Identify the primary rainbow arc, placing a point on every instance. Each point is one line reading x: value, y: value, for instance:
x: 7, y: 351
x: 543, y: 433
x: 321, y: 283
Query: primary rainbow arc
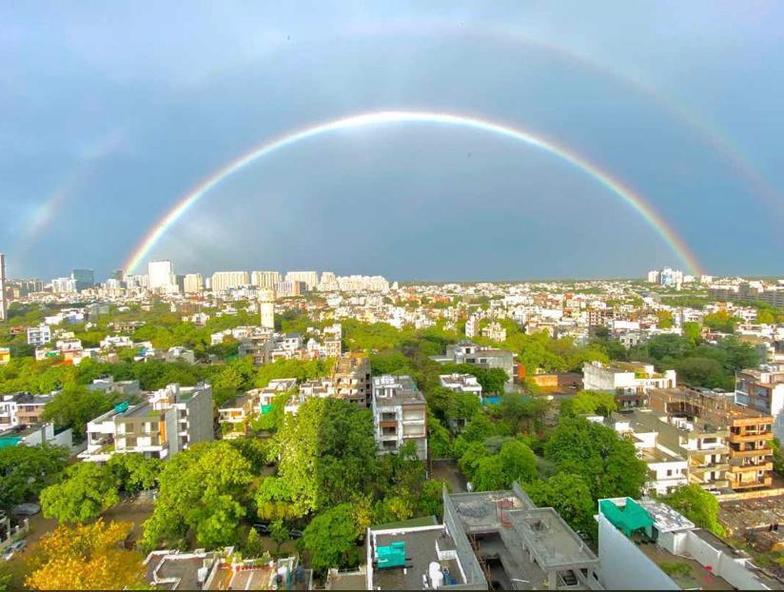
x: 628, y: 195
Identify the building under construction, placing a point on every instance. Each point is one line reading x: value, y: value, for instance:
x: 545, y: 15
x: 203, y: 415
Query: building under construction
x: 742, y: 434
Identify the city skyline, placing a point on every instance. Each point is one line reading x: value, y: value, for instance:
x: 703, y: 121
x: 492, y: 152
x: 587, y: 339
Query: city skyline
x: 478, y: 142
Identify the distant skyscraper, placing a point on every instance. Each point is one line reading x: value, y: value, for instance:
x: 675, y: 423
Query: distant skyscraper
x: 193, y: 283
x: 3, y: 305
x: 267, y: 309
x: 161, y: 276
x: 64, y: 285
x: 309, y: 278
x: 85, y: 278
x: 264, y: 279
x: 227, y: 280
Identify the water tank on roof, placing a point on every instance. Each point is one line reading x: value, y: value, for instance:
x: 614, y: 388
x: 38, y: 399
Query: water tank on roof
x: 436, y: 575
x: 392, y: 555
x: 121, y: 407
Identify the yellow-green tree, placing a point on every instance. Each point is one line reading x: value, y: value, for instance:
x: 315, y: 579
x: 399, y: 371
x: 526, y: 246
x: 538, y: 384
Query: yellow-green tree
x: 89, y: 557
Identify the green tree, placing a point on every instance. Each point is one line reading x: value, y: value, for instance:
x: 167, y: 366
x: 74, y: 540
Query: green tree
x: 591, y: 403
x: 698, y: 505
x: 26, y: 470
x: 692, y: 331
x: 330, y: 539
x: 279, y: 534
x: 75, y: 406
x: 87, y: 490
x: 134, y: 472
x: 721, y: 321
x: 608, y: 463
x: 202, y: 490
x: 571, y: 498
x: 253, y: 546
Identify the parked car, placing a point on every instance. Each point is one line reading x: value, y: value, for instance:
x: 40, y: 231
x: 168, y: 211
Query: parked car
x: 295, y: 534
x: 28, y: 509
x: 261, y: 527
x: 14, y: 548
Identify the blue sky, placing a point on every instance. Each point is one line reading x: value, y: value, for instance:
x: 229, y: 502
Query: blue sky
x: 110, y: 112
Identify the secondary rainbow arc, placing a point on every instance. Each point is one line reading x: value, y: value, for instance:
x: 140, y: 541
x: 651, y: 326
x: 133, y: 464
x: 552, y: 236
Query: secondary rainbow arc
x: 613, y: 184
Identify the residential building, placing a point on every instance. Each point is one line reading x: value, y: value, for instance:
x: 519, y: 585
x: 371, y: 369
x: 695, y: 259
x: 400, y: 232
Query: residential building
x: 40, y: 335
x: 461, y: 383
x: 286, y: 289
x: 266, y: 396
x: 160, y: 277
x: 472, y: 326
x: 630, y: 381
x: 180, y: 354
x: 265, y: 279
x: 223, y: 570
x: 494, y: 332
x: 519, y: 545
x: 738, y: 437
x: 22, y: 409
x: 3, y: 303
x: 234, y: 416
x: 64, y: 285
x: 309, y: 278
x: 485, y: 357
x: 668, y: 466
x: 399, y: 414
x: 169, y: 421
x: 36, y: 435
x: 267, y: 309
x: 229, y: 280
x: 84, y: 278
x: 416, y: 554
x: 193, y: 283
x: 646, y: 545
x: 351, y: 379
x: 110, y: 386
x: 763, y: 390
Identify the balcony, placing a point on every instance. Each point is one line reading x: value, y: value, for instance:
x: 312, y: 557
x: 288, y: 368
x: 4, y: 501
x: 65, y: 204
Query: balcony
x: 751, y: 437
x: 709, y: 467
x: 751, y: 452
x: 764, y: 482
x: 741, y: 468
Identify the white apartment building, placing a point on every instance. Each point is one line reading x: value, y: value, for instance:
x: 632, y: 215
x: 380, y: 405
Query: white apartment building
x: 169, y: 421
x: 228, y: 280
x: 461, y: 383
x: 763, y: 390
x: 641, y: 541
x: 626, y: 377
x: 399, y: 414
x: 264, y: 279
x: 39, y: 335
x: 64, y: 285
x: 494, y: 331
x: 193, y: 283
x: 309, y: 278
x: 160, y: 276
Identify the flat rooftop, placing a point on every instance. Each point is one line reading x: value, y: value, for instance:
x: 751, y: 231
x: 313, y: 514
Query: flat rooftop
x: 422, y: 547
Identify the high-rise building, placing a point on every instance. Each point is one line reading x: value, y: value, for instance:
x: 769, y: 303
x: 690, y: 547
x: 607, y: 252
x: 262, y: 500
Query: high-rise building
x: 161, y: 276
x: 84, y: 278
x: 3, y: 305
x: 64, y: 285
x: 193, y: 283
x: 309, y: 278
x: 267, y: 309
x: 264, y: 279
x: 227, y: 280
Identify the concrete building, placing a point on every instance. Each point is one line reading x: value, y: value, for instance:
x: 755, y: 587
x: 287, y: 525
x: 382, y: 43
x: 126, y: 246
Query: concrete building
x: 110, y: 386
x: 160, y: 277
x: 267, y: 309
x: 193, y: 283
x: 228, y: 280
x: 646, y: 545
x: 3, y: 303
x: 520, y: 546
x: 477, y: 355
x: 726, y: 438
x: 416, y: 554
x: 169, y: 421
x: 351, y: 379
x: 38, y: 336
x: 628, y: 380
x: 36, y: 435
x: 461, y: 383
x: 22, y: 409
x: 399, y: 414
x: 309, y: 278
x: 64, y: 285
x: 234, y: 416
x: 763, y: 390
x: 494, y: 332
x: 264, y: 279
